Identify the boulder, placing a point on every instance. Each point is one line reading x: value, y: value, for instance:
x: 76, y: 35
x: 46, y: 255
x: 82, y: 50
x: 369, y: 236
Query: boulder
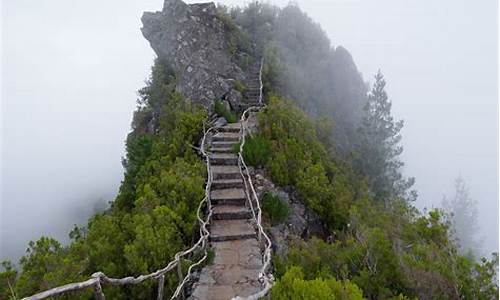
x: 193, y: 41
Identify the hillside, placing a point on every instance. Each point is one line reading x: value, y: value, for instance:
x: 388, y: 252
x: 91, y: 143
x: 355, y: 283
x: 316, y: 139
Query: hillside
x: 322, y: 150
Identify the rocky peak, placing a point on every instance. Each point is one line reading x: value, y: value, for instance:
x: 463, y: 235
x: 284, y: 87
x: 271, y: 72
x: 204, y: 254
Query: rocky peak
x: 193, y: 41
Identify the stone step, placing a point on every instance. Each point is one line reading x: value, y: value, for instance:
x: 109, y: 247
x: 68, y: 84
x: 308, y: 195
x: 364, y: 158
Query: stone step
x: 222, y: 144
x: 222, y: 150
x: 231, y: 212
x: 227, y: 159
x: 233, y: 127
x: 225, y: 172
x: 234, y: 271
x: 227, y: 184
x: 252, y: 92
x: 253, y: 88
x: 228, y: 196
x: 226, y: 137
x: 230, y: 230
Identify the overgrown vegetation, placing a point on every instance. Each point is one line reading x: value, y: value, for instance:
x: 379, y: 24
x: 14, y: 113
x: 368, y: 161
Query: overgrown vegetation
x: 152, y: 217
x: 384, y: 246
x: 293, y: 286
x: 275, y: 209
x: 222, y: 111
x: 297, y: 158
x: 256, y: 151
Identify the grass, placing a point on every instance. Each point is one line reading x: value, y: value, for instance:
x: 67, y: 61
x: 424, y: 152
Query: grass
x: 274, y: 208
x: 222, y: 111
x: 256, y: 150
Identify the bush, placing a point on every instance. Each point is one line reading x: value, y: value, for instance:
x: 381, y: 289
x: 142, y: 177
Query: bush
x: 274, y: 208
x: 299, y: 159
x: 256, y: 150
x: 293, y: 286
x: 223, y: 112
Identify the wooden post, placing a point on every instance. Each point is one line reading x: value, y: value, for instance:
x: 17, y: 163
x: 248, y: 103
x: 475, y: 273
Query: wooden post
x: 99, y: 294
x: 161, y: 285
x: 179, y: 274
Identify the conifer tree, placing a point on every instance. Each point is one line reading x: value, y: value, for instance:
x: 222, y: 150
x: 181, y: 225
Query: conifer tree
x: 463, y: 212
x: 379, y: 147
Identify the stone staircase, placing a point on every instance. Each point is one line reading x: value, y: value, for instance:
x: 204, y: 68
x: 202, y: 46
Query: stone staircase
x: 252, y: 92
x: 238, y: 259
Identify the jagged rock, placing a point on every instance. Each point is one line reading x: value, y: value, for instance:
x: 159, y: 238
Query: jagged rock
x: 193, y: 41
x: 226, y: 104
x: 235, y: 99
x: 219, y: 122
x: 301, y: 222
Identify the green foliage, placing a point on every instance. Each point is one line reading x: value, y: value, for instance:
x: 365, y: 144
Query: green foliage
x: 156, y: 239
x: 298, y: 158
x: 274, y: 208
x: 221, y: 110
x: 379, y: 148
x: 47, y: 264
x: 293, y: 286
x: 210, y: 256
x: 7, y: 281
x: 391, y: 253
x: 256, y: 150
x: 153, y: 216
x: 249, y: 29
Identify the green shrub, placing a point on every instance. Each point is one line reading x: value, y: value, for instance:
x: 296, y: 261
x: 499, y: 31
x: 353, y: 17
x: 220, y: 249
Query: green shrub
x: 256, y: 150
x: 210, y: 256
x: 222, y: 111
x: 298, y: 158
x: 274, y: 208
x: 293, y: 286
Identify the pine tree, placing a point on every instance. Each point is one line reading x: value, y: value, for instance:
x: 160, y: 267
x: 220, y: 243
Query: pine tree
x: 379, y: 148
x: 463, y: 212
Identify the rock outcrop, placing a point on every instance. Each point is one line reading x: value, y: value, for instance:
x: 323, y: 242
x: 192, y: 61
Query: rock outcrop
x: 193, y: 41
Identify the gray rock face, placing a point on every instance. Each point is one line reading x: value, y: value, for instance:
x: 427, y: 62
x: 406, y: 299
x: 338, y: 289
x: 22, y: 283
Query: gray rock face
x: 193, y: 41
x: 302, y: 223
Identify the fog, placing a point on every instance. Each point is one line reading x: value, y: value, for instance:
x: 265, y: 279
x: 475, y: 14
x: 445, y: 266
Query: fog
x: 70, y: 70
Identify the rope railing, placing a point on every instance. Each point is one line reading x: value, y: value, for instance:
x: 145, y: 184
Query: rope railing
x: 265, y: 278
x: 260, y: 81
x: 99, y: 278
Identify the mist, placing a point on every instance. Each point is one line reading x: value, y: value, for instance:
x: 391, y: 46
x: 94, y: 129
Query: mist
x: 70, y: 72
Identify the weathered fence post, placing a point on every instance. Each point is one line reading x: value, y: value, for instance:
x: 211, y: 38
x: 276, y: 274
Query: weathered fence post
x: 179, y: 274
x: 161, y: 285
x: 99, y: 294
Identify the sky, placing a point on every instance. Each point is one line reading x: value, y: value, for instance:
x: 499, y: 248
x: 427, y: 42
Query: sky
x: 70, y: 71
